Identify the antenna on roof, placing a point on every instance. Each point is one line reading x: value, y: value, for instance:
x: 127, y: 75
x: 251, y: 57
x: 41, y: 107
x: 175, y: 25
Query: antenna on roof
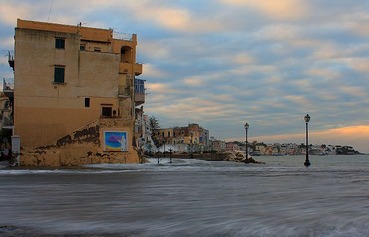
x: 51, y: 6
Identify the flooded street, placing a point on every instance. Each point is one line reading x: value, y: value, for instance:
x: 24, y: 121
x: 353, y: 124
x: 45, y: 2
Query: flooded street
x: 190, y: 198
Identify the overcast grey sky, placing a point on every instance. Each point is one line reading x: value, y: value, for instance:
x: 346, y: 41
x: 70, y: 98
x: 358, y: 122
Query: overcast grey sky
x: 221, y: 63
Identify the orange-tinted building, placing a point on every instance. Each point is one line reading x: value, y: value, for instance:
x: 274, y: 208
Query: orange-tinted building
x: 75, y: 94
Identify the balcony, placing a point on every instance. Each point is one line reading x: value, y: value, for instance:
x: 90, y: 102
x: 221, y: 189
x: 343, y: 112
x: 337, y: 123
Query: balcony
x: 11, y: 59
x: 124, y: 91
x: 139, y: 98
x: 139, y: 92
x: 126, y: 68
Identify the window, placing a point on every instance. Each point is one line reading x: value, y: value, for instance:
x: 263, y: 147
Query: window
x: 82, y: 47
x: 97, y: 49
x: 106, y: 111
x: 59, y: 43
x: 87, y: 102
x: 59, y: 74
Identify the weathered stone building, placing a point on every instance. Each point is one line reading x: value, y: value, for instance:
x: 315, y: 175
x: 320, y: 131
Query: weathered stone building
x: 75, y: 94
x: 192, y: 138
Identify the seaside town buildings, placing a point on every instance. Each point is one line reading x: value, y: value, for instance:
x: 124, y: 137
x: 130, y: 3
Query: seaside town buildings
x: 290, y: 149
x: 75, y: 96
x: 220, y: 146
x: 192, y: 138
x: 6, y: 121
x: 230, y: 146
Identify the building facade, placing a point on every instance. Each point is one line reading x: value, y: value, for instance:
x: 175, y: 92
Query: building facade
x: 230, y: 146
x: 75, y: 92
x: 192, y: 138
x: 218, y: 145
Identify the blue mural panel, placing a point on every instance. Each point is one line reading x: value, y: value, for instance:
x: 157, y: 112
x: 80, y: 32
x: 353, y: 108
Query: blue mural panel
x: 115, y: 141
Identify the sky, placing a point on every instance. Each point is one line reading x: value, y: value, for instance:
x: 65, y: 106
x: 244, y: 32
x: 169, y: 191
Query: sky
x: 222, y: 63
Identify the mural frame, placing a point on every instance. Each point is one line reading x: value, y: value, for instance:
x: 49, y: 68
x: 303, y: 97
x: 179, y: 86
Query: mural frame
x: 115, y: 141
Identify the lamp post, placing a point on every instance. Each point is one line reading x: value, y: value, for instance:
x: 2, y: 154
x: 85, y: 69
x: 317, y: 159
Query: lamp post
x: 164, y: 141
x: 307, y: 162
x: 158, y: 155
x: 211, y: 147
x: 170, y: 155
x: 205, y: 143
x: 191, y: 146
x: 246, y: 128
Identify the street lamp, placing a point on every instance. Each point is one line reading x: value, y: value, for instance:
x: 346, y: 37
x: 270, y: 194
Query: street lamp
x: 246, y: 128
x: 191, y: 146
x: 164, y: 141
x: 205, y: 143
x: 307, y: 162
x: 170, y: 155
x: 158, y: 155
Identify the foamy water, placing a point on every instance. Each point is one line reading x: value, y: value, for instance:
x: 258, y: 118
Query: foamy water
x: 190, y: 198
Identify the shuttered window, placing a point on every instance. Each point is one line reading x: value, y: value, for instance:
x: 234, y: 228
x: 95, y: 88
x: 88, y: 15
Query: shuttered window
x: 59, y: 43
x: 59, y: 74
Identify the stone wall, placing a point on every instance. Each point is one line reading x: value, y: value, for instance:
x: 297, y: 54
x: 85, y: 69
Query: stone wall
x: 82, y: 147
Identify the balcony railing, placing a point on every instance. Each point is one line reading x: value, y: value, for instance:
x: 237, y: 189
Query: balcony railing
x: 122, y: 36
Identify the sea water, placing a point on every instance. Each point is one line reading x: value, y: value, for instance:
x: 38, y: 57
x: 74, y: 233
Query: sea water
x: 190, y: 197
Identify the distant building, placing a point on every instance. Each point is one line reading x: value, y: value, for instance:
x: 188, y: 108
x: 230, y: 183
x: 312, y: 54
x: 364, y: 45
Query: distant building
x: 260, y: 148
x: 75, y: 94
x: 6, y: 109
x: 230, y: 146
x: 218, y: 145
x: 192, y: 138
x: 6, y: 121
x: 146, y: 137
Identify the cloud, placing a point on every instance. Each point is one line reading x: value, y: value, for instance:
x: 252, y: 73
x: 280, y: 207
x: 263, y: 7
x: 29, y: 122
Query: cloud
x: 151, y: 71
x: 357, y: 23
x: 324, y: 73
x: 159, y: 88
x: 9, y: 12
x: 193, y: 81
x: 278, y: 9
x: 360, y: 64
x: 298, y: 100
x: 175, y: 19
x: 167, y: 15
x: 242, y: 59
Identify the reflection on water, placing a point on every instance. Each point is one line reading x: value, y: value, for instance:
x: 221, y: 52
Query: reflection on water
x: 190, y: 198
